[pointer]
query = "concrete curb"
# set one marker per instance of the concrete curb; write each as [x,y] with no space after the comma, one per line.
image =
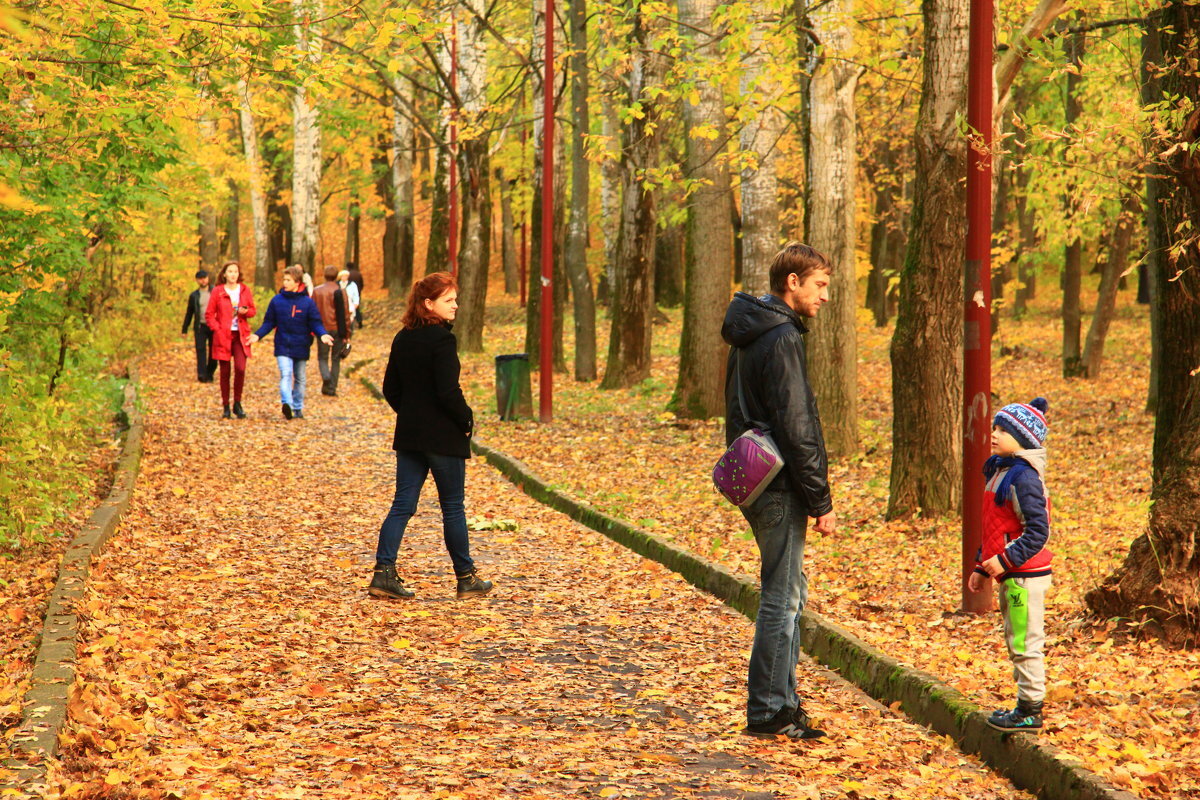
[1029,763]
[45,712]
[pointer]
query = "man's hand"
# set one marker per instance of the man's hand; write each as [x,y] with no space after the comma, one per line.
[327,339]
[993,567]
[826,523]
[975,582]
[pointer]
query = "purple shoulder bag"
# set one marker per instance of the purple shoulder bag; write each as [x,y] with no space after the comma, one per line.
[751,462]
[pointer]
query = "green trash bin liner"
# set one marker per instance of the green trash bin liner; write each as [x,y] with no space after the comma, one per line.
[513,395]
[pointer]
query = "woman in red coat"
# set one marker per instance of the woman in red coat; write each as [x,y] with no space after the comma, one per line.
[230,306]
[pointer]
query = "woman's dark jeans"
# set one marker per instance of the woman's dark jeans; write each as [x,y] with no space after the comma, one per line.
[450,477]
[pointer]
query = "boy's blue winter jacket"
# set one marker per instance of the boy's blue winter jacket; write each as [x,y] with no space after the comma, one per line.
[295,319]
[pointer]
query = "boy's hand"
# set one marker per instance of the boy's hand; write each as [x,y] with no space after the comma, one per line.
[975,582]
[253,338]
[993,567]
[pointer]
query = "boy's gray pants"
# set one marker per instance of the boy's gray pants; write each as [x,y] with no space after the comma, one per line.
[1023,605]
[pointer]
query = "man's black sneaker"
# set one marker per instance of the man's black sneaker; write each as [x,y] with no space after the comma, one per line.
[287,411]
[1025,717]
[298,414]
[794,723]
[471,585]
[385,583]
[238,412]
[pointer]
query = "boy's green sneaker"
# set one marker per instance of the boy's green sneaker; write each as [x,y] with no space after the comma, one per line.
[1025,717]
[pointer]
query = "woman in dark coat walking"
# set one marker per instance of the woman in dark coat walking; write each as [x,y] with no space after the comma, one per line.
[433,434]
[230,309]
[293,316]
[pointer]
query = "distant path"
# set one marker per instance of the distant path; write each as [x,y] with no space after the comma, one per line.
[232,650]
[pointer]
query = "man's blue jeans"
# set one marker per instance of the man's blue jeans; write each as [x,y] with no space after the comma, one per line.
[292,380]
[780,524]
[450,477]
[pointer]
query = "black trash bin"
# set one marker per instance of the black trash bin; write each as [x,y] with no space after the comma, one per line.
[513,395]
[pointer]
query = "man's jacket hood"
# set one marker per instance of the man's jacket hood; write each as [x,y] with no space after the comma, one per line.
[749,317]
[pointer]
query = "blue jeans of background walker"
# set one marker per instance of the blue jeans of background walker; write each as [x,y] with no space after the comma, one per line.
[292,380]
[450,477]
[780,524]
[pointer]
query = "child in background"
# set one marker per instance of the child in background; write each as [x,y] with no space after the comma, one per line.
[1016,526]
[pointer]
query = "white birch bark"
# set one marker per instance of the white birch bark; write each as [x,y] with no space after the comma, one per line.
[402,183]
[830,222]
[264,270]
[306,159]
[474,177]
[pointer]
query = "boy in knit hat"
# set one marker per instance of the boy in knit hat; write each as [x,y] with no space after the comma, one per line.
[1016,526]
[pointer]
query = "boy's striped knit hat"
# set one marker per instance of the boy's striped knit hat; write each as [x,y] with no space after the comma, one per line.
[1025,421]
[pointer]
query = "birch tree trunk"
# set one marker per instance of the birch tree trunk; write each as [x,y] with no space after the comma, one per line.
[475,182]
[402,257]
[831,159]
[633,278]
[306,135]
[926,349]
[760,137]
[610,200]
[577,233]
[708,251]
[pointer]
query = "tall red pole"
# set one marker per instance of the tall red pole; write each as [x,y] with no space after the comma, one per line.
[546,393]
[453,237]
[977,290]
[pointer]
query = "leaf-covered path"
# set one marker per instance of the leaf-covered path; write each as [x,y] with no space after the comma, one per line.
[232,650]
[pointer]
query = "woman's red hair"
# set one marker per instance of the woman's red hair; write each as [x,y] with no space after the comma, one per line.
[431,287]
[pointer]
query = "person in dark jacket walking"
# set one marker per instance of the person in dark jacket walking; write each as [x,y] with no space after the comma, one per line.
[335,316]
[433,434]
[293,316]
[768,334]
[201,333]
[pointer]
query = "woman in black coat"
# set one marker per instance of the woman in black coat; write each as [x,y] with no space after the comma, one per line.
[433,434]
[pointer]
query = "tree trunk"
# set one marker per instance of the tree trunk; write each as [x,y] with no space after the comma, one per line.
[1073,255]
[829,215]
[668,267]
[926,350]
[760,138]
[633,277]
[708,246]
[209,242]
[306,134]
[402,253]
[437,248]
[577,236]
[231,243]
[264,265]
[1160,579]
[351,250]
[610,200]
[1106,302]
[475,181]
[508,234]
[1027,245]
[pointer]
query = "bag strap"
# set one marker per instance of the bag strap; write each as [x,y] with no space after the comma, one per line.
[741,397]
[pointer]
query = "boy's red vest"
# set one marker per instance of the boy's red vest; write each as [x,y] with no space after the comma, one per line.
[1001,525]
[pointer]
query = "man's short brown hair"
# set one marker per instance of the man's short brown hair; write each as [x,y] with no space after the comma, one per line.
[798,258]
[331,272]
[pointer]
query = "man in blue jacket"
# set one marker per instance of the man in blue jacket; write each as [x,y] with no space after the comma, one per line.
[294,317]
[768,332]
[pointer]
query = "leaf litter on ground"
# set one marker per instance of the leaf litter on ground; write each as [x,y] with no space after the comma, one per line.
[230,648]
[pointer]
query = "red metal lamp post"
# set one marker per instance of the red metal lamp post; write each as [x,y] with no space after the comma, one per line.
[977,290]
[546,385]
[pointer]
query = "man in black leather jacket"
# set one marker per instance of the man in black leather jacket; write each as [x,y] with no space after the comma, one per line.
[768,332]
